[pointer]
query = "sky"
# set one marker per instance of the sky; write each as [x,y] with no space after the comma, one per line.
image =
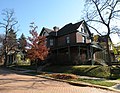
[45,13]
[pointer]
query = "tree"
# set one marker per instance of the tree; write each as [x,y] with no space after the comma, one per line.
[1,47]
[11,40]
[102,13]
[37,45]
[22,45]
[22,42]
[1,43]
[8,25]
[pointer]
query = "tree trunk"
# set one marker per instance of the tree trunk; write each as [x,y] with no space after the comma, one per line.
[5,60]
[108,52]
[36,61]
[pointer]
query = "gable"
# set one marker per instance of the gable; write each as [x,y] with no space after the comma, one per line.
[83,29]
[45,32]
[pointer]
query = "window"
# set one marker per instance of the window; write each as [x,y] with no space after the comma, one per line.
[51,42]
[44,33]
[81,29]
[67,39]
[84,39]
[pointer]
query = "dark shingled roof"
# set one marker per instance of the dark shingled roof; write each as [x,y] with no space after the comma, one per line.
[69,28]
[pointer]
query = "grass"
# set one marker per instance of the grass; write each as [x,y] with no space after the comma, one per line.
[118,79]
[27,67]
[71,77]
[82,70]
[97,82]
[95,71]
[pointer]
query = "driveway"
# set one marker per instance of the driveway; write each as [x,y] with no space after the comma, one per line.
[14,83]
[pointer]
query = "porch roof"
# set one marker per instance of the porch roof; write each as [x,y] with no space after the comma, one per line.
[71,45]
[96,46]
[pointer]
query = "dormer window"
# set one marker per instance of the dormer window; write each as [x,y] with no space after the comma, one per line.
[67,39]
[51,42]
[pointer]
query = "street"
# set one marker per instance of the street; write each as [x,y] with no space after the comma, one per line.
[15,83]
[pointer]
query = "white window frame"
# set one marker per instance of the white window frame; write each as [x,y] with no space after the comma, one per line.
[83,39]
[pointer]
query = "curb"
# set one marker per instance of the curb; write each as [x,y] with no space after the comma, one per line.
[80,83]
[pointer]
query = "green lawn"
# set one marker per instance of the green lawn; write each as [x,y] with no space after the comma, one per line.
[74,78]
[97,82]
[85,70]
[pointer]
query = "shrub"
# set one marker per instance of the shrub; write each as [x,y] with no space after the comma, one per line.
[63,76]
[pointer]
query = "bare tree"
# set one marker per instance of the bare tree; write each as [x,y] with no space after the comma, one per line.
[102,14]
[8,24]
[2,36]
[1,44]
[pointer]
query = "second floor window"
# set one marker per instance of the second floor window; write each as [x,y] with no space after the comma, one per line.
[67,39]
[84,39]
[51,42]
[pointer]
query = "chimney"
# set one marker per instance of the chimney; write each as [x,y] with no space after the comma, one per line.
[56,28]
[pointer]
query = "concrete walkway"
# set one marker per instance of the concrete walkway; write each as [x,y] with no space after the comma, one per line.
[117,86]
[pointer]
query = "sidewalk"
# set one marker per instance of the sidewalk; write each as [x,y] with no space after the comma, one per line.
[115,88]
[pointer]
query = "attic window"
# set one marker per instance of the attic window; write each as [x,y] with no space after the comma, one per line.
[82,30]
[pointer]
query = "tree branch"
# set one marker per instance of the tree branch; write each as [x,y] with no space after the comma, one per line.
[111,13]
[95,29]
[99,12]
[94,21]
[116,11]
[104,6]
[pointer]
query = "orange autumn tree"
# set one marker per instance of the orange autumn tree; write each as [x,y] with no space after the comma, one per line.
[36,45]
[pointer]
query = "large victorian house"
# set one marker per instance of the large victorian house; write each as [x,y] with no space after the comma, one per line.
[72,44]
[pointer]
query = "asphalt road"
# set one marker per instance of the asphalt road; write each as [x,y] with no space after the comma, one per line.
[14,83]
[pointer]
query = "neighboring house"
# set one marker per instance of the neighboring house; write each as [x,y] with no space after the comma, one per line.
[71,44]
[11,57]
[102,55]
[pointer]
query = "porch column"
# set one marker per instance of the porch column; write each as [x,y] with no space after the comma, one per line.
[91,49]
[88,53]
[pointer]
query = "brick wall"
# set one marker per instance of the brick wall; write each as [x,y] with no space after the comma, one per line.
[62,39]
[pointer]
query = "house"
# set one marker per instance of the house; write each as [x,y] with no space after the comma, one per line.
[103,55]
[71,44]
